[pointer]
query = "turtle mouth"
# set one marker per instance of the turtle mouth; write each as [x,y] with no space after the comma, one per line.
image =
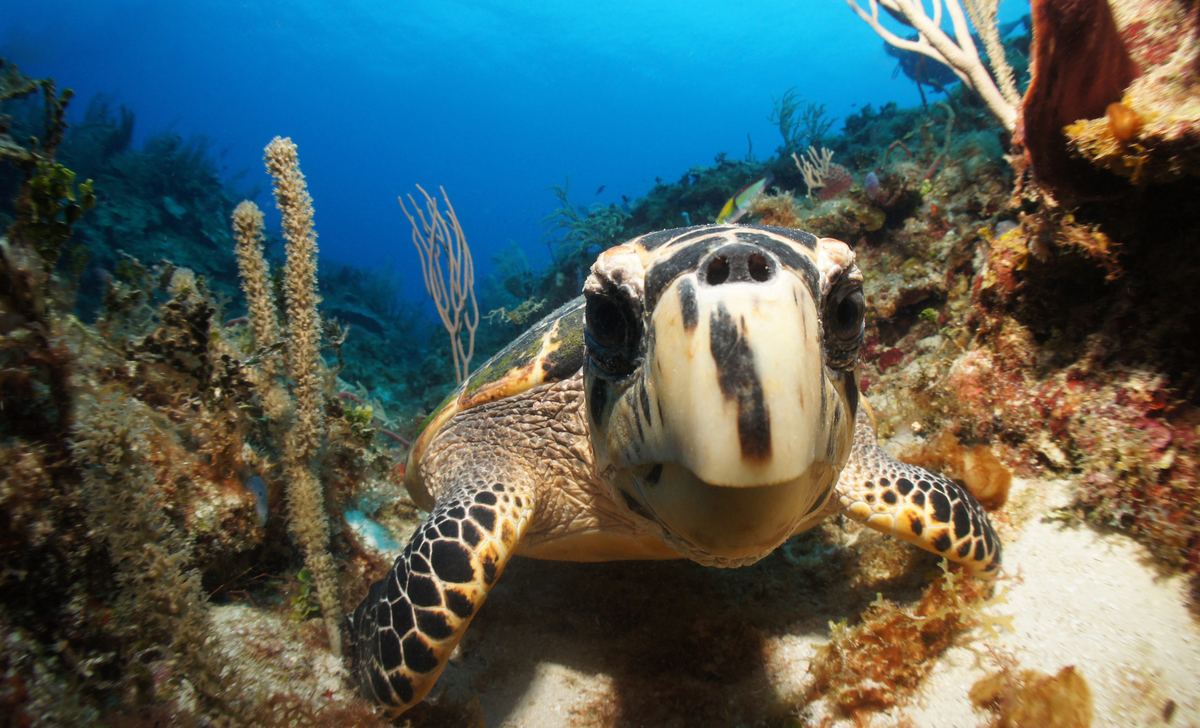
[734,523]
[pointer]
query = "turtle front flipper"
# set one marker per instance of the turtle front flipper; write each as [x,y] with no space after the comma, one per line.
[914,504]
[410,621]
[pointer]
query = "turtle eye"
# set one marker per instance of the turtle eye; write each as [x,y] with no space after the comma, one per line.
[845,310]
[846,321]
[611,334]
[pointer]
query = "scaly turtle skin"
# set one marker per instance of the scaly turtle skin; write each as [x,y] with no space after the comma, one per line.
[698,401]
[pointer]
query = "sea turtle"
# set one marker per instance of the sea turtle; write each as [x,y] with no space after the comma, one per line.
[698,401]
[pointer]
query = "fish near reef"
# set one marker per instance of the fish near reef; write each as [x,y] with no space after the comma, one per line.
[739,204]
[699,401]
[262,506]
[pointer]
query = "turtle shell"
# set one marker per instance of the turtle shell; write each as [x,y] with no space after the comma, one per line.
[552,350]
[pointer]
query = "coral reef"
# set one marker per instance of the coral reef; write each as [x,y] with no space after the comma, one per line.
[1153,134]
[821,174]
[126,506]
[575,236]
[256,276]
[161,608]
[152,573]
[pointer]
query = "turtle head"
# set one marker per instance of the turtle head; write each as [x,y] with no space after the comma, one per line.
[719,381]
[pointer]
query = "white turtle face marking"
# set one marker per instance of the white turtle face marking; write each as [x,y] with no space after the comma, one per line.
[719,381]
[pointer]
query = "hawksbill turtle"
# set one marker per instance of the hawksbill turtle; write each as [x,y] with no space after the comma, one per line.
[698,401]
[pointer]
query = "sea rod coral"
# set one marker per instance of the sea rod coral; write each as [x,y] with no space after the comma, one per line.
[452,289]
[305,494]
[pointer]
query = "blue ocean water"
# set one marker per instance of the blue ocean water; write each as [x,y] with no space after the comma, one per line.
[493,100]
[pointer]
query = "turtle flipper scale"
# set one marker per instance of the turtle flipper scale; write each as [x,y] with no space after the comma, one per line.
[411,620]
[911,503]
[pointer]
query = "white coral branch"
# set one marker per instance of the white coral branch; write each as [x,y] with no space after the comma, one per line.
[962,57]
[814,166]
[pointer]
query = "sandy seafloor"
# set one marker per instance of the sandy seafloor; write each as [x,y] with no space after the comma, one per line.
[675,644]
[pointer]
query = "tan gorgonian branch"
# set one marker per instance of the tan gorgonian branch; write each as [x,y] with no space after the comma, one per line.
[452,288]
[306,500]
[256,280]
[983,17]
[814,166]
[300,288]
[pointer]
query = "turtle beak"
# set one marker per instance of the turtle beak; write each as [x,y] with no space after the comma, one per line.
[738,372]
[749,426]
[736,525]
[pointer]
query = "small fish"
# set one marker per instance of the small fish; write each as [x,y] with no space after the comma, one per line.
[601,189]
[740,202]
[262,508]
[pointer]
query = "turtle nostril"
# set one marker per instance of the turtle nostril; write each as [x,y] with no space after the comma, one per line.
[718,271]
[759,269]
[738,263]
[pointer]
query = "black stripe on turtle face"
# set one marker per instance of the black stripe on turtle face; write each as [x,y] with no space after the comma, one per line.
[677,236]
[641,434]
[824,405]
[681,260]
[831,443]
[686,252]
[688,305]
[852,393]
[598,400]
[789,257]
[802,237]
[654,241]
[739,381]
[644,400]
